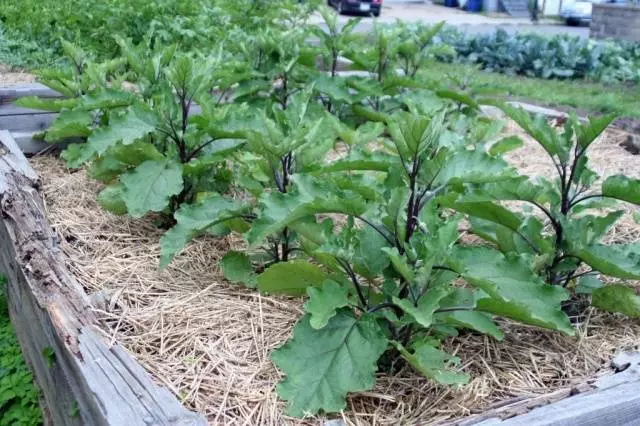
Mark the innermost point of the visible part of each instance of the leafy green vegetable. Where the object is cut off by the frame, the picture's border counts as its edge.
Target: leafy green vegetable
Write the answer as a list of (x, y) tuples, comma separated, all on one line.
[(338, 367), (617, 298), (292, 278)]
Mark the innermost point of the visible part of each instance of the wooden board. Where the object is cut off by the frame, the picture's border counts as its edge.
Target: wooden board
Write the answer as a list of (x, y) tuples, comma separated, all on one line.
[(84, 381)]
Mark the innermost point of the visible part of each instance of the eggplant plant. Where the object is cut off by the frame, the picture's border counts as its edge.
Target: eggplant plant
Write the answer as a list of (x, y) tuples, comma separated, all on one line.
[(139, 139), (279, 143), (562, 235), (386, 282)]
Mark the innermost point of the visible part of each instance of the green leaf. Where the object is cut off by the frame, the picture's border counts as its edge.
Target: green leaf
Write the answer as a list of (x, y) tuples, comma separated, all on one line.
[(193, 219), (335, 87), (70, 124), (617, 298), (106, 99), (478, 321), (311, 196), (458, 97), (513, 290), (505, 145), (539, 129), (427, 305), (291, 278), (473, 167), (324, 301), (485, 210), (588, 132), (368, 257), (399, 263), (236, 267), (361, 160), (111, 199), (619, 260), (121, 158), (434, 363), (587, 284), (76, 155), (623, 188), (47, 104), (322, 366), (148, 187), (134, 124)]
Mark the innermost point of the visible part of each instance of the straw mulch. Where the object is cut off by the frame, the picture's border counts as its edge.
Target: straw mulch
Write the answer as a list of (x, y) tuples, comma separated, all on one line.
[(9, 77), (209, 341)]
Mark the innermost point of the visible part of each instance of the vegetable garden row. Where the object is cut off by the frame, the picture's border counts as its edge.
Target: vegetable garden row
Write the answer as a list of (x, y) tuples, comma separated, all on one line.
[(31, 32), (359, 191)]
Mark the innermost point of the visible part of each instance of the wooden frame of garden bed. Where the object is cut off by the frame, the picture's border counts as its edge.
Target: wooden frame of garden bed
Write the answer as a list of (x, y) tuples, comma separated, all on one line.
[(84, 380)]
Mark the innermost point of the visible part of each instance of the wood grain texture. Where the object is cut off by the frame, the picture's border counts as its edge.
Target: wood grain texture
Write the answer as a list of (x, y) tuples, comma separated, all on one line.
[(612, 400), (84, 381)]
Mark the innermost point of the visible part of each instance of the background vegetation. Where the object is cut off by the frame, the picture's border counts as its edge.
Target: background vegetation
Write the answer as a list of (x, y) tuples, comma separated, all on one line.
[(18, 394)]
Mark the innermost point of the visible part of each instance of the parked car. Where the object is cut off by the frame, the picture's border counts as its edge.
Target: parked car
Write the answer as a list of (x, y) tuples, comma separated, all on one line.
[(366, 7), (579, 12)]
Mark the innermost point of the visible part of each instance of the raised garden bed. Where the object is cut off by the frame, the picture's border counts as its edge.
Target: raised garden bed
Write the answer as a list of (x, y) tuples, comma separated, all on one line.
[(208, 341)]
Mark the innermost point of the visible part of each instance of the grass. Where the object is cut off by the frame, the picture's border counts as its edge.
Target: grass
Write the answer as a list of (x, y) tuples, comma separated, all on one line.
[(19, 397), (622, 99)]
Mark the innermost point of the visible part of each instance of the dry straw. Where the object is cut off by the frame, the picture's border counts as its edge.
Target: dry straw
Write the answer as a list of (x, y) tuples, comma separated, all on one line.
[(209, 341)]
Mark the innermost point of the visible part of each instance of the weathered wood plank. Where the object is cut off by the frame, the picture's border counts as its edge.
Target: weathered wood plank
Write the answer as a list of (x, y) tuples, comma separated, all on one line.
[(10, 93), (615, 406), (51, 312), (612, 400)]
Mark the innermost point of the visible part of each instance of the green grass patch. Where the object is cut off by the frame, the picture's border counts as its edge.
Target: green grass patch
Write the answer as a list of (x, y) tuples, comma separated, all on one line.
[(621, 99), (18, 394)]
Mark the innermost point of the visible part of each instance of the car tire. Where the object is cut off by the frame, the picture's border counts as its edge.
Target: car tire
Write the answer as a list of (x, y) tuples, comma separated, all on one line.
[(376, 14)]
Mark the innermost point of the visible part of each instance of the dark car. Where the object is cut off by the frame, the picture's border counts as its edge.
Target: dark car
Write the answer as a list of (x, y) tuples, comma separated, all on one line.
[(366, 7)]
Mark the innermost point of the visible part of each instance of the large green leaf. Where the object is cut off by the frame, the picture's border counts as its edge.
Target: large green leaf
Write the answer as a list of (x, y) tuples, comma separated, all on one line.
[(473, 167), (324, 302), (623, 188), (322, 366), (68, 124), (334, 87), (513, 290), (236, 267), (134, 124), (617, 298), (434, 363), (148, 187), (111, 199), (311, 196), (291, 278), (367, 259), (618, 260), (121, 158), (106, 99), (193, 219)]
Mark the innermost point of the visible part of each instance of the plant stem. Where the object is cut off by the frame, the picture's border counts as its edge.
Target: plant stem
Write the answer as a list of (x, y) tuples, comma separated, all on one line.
[(354, 280)]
